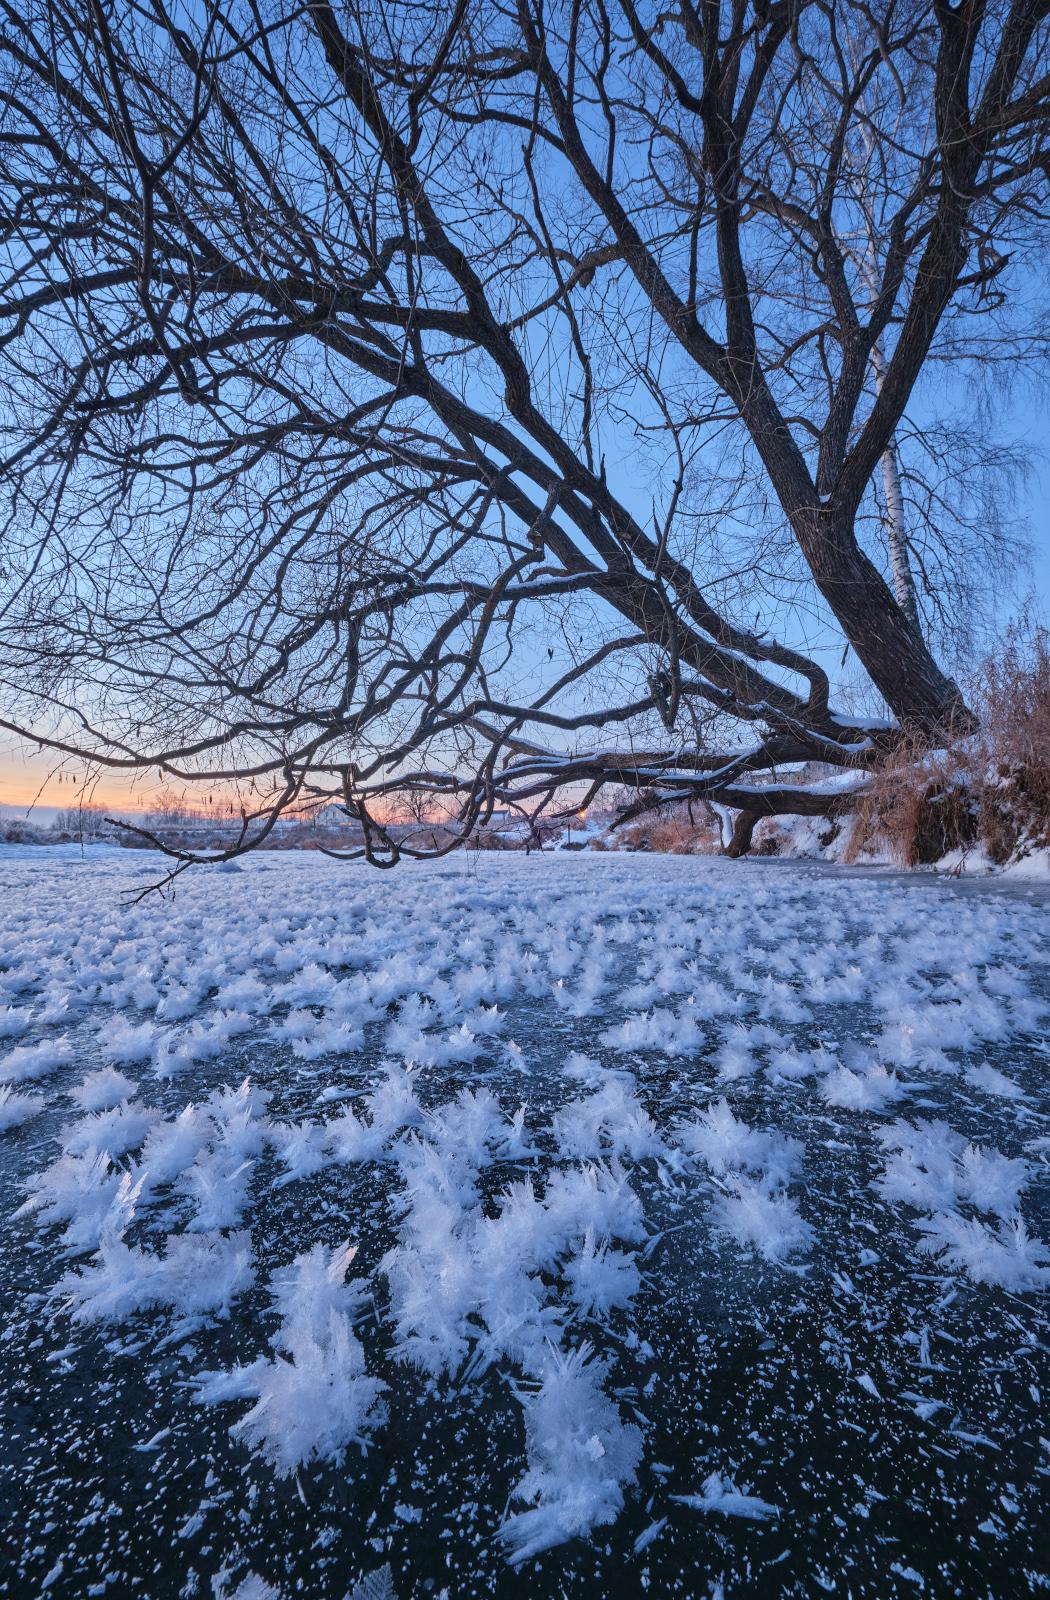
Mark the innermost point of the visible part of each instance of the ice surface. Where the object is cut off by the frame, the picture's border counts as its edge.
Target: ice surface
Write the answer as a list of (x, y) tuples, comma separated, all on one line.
[(470, 1138)]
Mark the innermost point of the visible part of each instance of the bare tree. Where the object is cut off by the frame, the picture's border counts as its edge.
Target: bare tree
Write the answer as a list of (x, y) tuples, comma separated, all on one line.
[(381, 379), (87, 821)]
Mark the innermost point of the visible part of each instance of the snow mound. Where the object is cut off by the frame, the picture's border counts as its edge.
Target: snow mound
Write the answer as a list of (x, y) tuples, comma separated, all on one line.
[(768, 1223), (103, 1090), (861, 1091), (199, 1275), (1006, 1257), (17, 1108), (30, 1061)]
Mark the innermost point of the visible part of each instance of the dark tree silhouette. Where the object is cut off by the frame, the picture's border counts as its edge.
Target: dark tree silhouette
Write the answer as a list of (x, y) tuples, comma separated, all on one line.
[(324, 330)]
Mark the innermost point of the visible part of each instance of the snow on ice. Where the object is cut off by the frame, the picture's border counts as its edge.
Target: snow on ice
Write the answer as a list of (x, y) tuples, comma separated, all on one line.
[(562, 1090)]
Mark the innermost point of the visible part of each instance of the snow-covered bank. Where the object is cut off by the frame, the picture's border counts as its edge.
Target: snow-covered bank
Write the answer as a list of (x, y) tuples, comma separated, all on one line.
[(801, 838), (564, 1224), (814, 839)]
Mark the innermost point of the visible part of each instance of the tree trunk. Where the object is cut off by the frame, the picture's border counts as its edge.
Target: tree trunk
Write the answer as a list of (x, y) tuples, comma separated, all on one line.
[(896, 539), (743, 829), (889, 647)]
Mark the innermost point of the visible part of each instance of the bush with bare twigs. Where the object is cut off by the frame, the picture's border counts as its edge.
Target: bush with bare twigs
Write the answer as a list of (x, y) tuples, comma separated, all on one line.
[(917, 809), (680, 831), (990, 790), (1014, 699)]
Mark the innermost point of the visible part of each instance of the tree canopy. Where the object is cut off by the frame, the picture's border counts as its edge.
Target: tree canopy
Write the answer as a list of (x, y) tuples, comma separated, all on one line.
[(398, 395)]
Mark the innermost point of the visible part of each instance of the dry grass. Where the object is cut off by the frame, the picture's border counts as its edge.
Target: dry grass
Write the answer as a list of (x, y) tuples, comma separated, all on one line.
[(992, 788), (1013, 697), (673, 833), (920, 814)]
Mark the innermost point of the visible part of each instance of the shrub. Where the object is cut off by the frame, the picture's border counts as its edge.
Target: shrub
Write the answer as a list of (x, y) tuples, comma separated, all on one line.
[(920, 806), (14, 831), (672, 832), (1013, 699), (992, 787)]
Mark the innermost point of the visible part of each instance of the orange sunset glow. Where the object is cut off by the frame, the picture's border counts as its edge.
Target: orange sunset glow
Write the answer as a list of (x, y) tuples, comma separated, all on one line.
[(42, 780)]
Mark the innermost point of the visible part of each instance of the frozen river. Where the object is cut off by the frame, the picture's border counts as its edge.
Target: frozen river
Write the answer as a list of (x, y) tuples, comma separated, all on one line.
[(561, 1226)]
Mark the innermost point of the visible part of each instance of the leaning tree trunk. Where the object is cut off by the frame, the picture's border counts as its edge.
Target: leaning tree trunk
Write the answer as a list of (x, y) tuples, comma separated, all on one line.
[(822, 516), (889, 646)]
